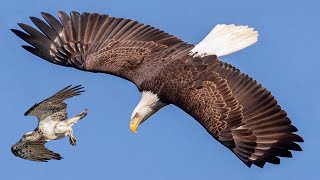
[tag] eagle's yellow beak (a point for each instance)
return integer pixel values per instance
(134, 124)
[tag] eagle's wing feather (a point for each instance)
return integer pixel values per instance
(54, 105)
(34, 151)
(235, 110)
(97, 42)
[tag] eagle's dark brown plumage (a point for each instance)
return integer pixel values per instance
(231, 106)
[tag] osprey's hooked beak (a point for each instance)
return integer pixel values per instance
(134, 123)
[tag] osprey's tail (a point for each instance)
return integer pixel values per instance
(225, 39)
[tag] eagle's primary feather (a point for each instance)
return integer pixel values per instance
(231, 106)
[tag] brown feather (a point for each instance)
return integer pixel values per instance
(88, 40)
(54, 105)
(34, 151)
(233, 108)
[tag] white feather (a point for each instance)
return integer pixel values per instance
(148, 105)
(225, 39)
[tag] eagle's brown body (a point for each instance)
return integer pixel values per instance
(231, 106)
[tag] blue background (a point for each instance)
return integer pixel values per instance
(171, 145)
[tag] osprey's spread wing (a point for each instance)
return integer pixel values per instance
(34, 151)
(99, 43)
(234, 109)
(54, 105)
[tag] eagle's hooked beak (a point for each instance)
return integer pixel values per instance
(134, 123)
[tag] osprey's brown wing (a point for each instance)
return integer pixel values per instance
(97, 42)
(234, 109)
(34, 151)
(54, 105)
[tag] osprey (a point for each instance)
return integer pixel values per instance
(52, 125)
(234, 108)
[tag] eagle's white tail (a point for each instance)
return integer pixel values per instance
(225, 39)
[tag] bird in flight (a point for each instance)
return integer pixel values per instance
(234, 108)
(53, 124)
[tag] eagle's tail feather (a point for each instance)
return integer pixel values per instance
(226, 39)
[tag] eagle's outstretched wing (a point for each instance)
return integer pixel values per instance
(235, 110)
(98, 43)
(34, 151)
(54, 105)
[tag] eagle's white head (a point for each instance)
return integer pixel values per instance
(148, 105)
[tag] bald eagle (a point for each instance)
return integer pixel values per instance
(234, 108)
(53, 124)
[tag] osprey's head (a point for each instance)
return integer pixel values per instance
(30, 136)
(148, 105)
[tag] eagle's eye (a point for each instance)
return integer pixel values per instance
(136, 115)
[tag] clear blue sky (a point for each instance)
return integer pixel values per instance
(170, 145)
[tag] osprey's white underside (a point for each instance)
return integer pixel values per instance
(53, 130)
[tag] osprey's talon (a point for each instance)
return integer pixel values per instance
(83, 113)
(73, 141)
